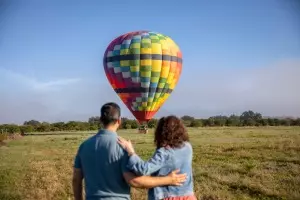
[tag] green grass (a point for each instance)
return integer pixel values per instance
(228, 163)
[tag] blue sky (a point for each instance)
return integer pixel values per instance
(237, 55)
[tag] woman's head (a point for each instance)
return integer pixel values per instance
(170, 131)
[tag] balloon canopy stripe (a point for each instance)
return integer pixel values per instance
(151, 90)
(143, 68)
(143, 57)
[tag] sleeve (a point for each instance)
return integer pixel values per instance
(124, 161)
(77, 160)
(140, 167)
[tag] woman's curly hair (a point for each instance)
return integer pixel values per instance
(170, 131)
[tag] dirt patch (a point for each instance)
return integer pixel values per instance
(14, 136)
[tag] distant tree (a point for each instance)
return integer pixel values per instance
(196, 123)
(249, 118)
(296, 122)
(263, 122)
(128, 126)
(271, 122)
(276, 122)
(32, 122)
(27, 129)
(43, 127)
(10, 128)
(152, 123)
(187, 118)
(93, 127)
(134, 124)
(219, 120)
(71, 126)
(210, 122)
(94, 120)
(285, 122)
(233, 120)
(58, 126)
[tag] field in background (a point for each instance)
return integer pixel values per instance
(229, 163)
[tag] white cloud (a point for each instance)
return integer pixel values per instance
(33, 83)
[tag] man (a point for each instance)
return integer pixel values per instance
(101, 162)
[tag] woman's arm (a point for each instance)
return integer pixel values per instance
(140, 167)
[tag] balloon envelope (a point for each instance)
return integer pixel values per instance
(143, 68)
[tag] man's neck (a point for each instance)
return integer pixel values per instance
(110, 128)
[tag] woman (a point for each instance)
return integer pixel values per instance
(173, 151)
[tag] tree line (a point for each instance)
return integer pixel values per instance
(247, 118)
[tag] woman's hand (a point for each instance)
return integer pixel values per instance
(127, 145)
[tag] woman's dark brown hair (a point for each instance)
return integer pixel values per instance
(170, 131)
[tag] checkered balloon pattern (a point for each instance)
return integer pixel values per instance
(143, 68)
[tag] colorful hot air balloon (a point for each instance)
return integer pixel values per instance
(143, 68)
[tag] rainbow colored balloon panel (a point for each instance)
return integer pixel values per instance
(143, 68)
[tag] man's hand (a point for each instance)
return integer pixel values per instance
(176, 179)
(77, 184)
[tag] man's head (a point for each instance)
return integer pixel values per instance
(111, 115)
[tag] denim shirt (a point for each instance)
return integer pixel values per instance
(164, 161)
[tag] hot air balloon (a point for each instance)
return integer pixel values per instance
(143, 68)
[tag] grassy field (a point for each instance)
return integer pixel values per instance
(229, 163)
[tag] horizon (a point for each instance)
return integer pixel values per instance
(156, 118)
(237, 56)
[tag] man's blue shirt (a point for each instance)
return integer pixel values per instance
(103, 162)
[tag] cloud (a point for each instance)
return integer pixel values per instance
(272, 90)
(24, 97)
(33, 83)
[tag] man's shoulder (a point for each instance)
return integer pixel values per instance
(86, 141)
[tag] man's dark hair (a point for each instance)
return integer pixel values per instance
(110, 113)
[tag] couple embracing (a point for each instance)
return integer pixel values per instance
(109, 165)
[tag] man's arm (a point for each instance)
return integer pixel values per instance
(77, 176)
(149, 181)
(77, 184)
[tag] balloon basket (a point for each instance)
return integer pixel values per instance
(143, 128)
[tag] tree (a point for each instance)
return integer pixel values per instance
(233, 120)
(263, 122)
(249, 118)
(43, 127)
(58, 126)
(94, 120)
(32, 122)
(127, 125)
(134, 124)
(296, 122)
(285, 122)
(152, 123)
(219, 120)
(187, 118)
(276, 122)
(271, 122)
(10, 128)
(196, 123)
(26, 129)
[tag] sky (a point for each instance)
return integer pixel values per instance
(237, 56)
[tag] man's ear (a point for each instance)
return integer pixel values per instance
(119, 121)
